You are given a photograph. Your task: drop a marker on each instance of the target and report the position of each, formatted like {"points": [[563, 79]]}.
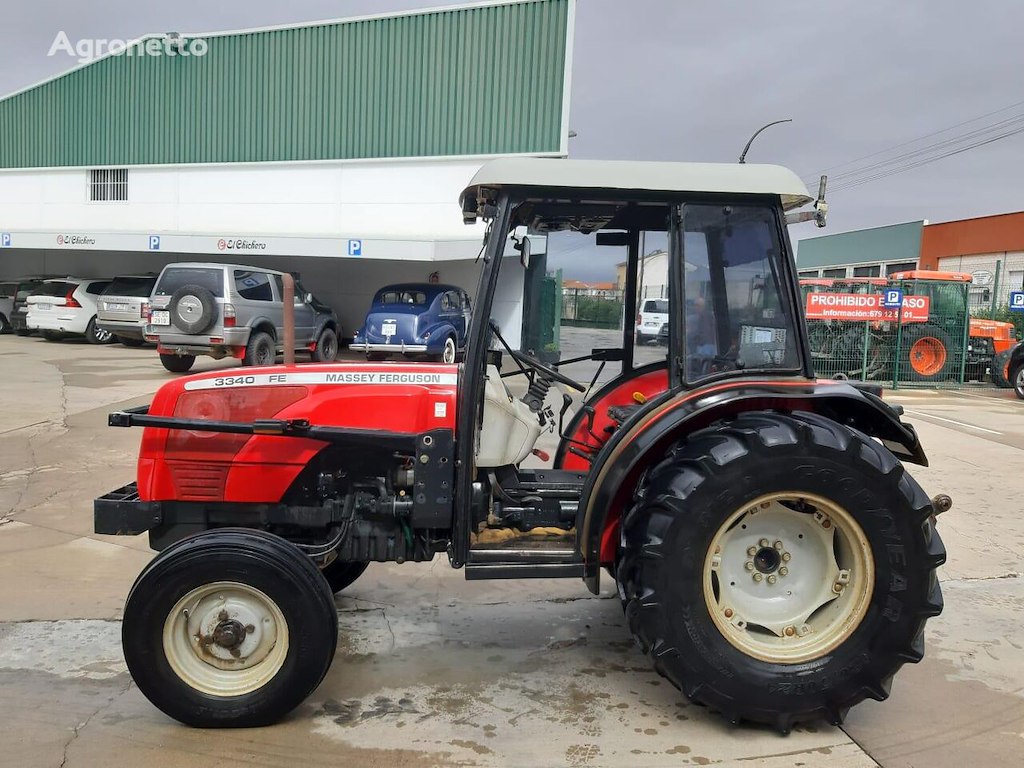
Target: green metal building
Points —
{"points": [[873, 252], [335, 148]]}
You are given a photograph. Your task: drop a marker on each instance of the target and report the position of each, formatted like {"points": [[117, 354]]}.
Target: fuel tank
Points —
{"points": [[192, 465]]}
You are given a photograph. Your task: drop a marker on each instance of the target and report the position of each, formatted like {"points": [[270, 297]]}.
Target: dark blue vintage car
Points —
{"points": [[417, 319]]}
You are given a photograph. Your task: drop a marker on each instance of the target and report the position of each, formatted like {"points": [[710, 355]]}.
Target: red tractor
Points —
{"points": [[773, 556]]}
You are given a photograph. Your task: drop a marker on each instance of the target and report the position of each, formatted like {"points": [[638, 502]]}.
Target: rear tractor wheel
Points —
{"points": [[1000, 371], [230, 628], [780, 568], [927, 354]]}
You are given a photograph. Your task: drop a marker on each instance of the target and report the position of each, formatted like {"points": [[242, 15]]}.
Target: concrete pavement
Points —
{"points": [[432, 670]]}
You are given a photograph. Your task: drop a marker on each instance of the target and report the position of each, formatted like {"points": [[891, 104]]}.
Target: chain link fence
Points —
{"points": [[895, 333], [592, 308]]}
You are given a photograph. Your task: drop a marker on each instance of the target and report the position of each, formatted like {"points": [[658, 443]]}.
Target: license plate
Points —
{"points": [[160, 317], [44, 306], [389, 329], [117, 307]]}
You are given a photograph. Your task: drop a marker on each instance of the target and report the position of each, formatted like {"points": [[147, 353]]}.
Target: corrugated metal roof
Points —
{"points": [[476, 80], [897, 242]]}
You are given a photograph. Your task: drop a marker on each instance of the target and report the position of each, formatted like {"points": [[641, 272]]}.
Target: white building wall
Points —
{"points": [[983, 267], [385, 199]]}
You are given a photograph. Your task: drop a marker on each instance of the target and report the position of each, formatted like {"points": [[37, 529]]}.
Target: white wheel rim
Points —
{"points": [[449, 351], [788, 577], [225, 639]]}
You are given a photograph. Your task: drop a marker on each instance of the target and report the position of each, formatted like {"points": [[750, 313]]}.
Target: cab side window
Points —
{"points": [[253, 286]]}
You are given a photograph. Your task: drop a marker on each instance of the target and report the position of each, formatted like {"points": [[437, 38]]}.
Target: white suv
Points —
{"points": [[653, 315], [67, 307]]}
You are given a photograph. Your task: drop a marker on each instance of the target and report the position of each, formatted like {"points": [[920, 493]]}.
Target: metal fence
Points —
{"points": [[862, 330], [590, 308]]}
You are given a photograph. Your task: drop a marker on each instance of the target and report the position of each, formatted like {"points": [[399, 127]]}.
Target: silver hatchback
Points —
{"points": [[232, 310]]}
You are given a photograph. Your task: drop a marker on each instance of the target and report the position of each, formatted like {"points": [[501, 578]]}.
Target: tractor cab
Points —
{"points": [[708, 240]]}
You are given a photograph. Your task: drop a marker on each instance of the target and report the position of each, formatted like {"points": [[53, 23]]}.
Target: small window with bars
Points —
{"points": [[108, 184]]}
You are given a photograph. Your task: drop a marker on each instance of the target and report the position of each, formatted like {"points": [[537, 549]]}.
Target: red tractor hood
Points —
{"points": [[190, 465]]}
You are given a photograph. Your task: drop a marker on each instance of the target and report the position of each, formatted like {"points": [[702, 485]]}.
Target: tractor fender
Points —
{"points": [[644, 439]]}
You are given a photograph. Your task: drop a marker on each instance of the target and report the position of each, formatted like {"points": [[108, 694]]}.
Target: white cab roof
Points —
{"points": [[629, 175]]}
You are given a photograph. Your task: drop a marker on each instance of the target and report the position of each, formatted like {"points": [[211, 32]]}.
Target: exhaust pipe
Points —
{"points": [[289, 319]]}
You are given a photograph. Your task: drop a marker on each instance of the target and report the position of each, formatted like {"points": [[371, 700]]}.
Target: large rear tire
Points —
{"points": [[230, 628], [927, 354], [1001, 369], [780, 568]]}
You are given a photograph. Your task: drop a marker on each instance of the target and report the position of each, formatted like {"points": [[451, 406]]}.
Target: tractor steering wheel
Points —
{"points": [[531, 362]]}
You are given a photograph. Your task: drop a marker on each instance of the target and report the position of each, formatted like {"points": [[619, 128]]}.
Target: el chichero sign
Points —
{"points": [[860, 306]]}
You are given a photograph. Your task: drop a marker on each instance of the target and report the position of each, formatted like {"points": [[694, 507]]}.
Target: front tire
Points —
{"points": [[230, 628], [801, 645], [177, 363]]}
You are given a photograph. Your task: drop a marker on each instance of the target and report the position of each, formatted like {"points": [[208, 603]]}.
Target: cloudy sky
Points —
{"points": [[692, 79]]}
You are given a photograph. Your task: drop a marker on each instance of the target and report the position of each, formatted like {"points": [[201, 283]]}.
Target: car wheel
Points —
{"points": [[177, 363], [259, 350], [1017, 379], [450, 351], [53, 335], [96, 335], [326, 350], [130, 342], [213, 640], [5, 325], [757, 568]]}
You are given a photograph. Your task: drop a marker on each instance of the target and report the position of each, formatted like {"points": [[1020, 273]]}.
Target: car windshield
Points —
{"points": [[130, 286], [207, 277], [401, 296]]}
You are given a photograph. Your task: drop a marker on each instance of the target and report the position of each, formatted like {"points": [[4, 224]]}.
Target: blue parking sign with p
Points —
{"points": [[893, 299], [154, 242], [1017, 301], [355, 247], [5, 239]]}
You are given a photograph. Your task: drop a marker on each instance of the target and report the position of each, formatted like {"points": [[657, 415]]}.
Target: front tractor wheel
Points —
{"points": [[231, 628], [780, 568]]}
